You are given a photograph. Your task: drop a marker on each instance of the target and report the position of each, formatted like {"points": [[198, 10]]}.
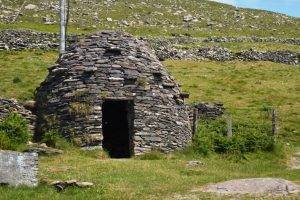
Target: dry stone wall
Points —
{"points": [[18, 168], [204, 111], [7, 106], [164, 47], [113, 66], [209, 110], [223, 54]]}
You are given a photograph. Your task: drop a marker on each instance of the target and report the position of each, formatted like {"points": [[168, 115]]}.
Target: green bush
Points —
{"points": [[52, 138], [5, 142], [14, 132], [247, 137]]}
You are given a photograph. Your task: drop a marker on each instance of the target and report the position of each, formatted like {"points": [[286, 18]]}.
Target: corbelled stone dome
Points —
{"points": [[110, 90]]}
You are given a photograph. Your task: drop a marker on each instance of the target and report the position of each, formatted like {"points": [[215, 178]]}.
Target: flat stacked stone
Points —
{"points": [[10, 105], [207, 111], [113, 65]]}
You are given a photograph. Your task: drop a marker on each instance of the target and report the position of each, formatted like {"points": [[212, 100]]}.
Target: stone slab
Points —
{"points": [[18, 168]]}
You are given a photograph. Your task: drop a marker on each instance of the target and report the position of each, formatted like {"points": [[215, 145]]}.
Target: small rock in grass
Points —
{"points": [[84, 184], [30, 7], [194, 163]]}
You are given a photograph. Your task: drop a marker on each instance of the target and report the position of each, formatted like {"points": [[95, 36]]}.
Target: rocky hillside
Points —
{"points": [[198, 18]]}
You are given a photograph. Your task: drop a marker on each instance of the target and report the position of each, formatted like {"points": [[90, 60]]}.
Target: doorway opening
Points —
{"points": [[117, 127]]}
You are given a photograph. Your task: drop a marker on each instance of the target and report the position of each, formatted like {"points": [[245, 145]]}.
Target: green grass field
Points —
{"points": [[245, 88], [245, 46], [22, 71]]}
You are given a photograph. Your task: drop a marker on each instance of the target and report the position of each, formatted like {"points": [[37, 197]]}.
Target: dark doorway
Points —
{"points": [[117, 126]]}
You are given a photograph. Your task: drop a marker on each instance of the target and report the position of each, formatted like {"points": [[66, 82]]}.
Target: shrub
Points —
{"points": [[14, 132], [248, 137], [17, 80], [5, 142], [52, 138]]}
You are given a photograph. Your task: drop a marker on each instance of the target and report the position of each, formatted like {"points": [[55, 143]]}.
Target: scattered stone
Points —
{"points": [[188, 18], [62, 185], [18, 168], [30, 7], [254, 186], [48, 21], [29, 105], [8, 106], [124, 22], [109, 19], [84, 184], [43, 149], [194, 163]]}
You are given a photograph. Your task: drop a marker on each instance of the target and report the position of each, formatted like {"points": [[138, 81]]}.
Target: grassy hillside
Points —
{"points": [[245, 88], [152, 17], [21, 72]]}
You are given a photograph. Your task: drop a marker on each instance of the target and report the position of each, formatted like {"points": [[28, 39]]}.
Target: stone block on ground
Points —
{"points": [[18, 168]]}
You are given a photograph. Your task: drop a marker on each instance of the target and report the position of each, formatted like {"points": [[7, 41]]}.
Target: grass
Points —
{"points": [[157, 18], [22, 71], [246, 88], [245, 46], [144, 179]]}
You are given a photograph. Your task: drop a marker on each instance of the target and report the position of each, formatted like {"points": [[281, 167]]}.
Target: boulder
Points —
{"points": [[18, 168]]}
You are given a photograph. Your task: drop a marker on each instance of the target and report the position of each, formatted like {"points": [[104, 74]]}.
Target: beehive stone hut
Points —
{"points": [[110, 90]]}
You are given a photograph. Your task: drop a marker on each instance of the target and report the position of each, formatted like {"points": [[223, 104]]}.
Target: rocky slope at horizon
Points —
{"points": [[197, 18]]}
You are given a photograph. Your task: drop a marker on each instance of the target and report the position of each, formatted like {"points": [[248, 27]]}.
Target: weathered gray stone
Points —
{"points": [[124, 68], [254, 186], [43, 149], [194, 163], [11, 105], [18, 168], [30, 7], [164, 47], [61, 185]]}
